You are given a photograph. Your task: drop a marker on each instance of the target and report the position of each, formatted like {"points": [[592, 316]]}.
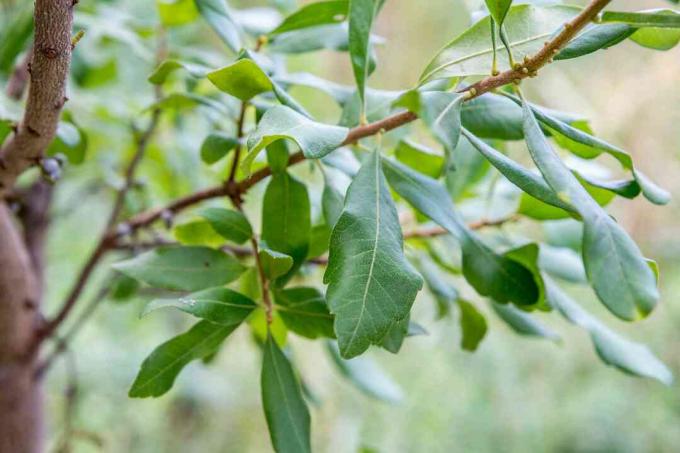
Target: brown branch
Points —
{"points": [[48, 72], [239, 135], [478, 225], [16, 85], [544, 56]]}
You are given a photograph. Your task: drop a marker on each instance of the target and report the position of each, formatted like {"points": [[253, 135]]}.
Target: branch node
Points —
{"points": [[50, 52]]}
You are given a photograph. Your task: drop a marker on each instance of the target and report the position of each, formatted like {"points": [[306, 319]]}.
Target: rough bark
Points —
{"points": [[20, 394], [48, 72]]}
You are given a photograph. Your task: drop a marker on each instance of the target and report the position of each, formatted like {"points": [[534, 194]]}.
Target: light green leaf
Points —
{"points": [[469, 54], [366, 376], [420, 158], [444, 293], [284, 407], [313, 14], [304, 311], [217, 15], [216, 146], [182, 268], [614, 264], [371, 284], [167, 67], [523, 323], [230, 224], [280, 122], [498, 9], [613, 349], [362, 13], [197, 232], [656, 37], [469, 168], [526, 180], [655, 18], [286, 222], [160, 369], [176, 12], [493, 275], [472, 324], [244, 80], [218, 305], [440, 111], [274, 264]]}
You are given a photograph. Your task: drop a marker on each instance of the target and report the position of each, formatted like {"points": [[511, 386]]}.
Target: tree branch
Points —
{"points": [[48, 72]]}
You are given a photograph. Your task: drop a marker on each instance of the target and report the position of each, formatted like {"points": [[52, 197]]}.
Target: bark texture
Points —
{"points": [[21, 257]]}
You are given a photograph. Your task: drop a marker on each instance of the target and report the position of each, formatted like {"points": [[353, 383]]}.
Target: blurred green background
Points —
{"points": [[513, 395]]}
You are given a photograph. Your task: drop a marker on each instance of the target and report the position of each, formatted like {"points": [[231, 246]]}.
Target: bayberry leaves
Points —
{"points": [[371, 285]]}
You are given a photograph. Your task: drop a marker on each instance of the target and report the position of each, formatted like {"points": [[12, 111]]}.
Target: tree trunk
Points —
{"points": [[20, 393]]}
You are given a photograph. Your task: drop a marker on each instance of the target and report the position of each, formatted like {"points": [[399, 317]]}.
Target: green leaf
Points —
{"points": [[176, 12], [245, 79], [472, 324], [286, 221], [469, 54], [614, 264], [420, 158], [280, 122], [362, 13], [197, 232], [167, 67], [468, 169], [313, 14], [371, 284], [180, 101], [123, 288], [304, 311], [332, 198], [650, 190], [230, 224], [444, 293], [284, 407], [330, 36], [218, 305], [613, 349], [217, 15], [523, 323], [493, 275], [654, 18], [182, 268], [657, 37], [274, 264], [160, 369], [216, 146], [498, 9], [394, 338], [526, 180], [440, 111], [595, 38], [15, 34], [366, 376]]}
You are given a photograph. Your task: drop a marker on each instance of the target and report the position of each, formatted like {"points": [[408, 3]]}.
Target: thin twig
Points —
{"points": [[239, 135]]}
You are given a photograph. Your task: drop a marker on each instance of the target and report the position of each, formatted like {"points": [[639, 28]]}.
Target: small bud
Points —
{"points": [[495, 72], [525, 70], [526, 59], [473, 91], [123, 229], [51, 169], [76, 39], [168, 218], [517, 66]]}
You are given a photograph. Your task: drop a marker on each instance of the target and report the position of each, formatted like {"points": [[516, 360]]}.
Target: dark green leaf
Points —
{"points": [[182, 268], [216, 146], [614, 264], [362, 13], [304, 311], [284, 407], [313, 14], [498, 9], [274, 264], [490, 274], [472, 324], [371, 284], [595, 38], [420, 158], [654, 18], [230, 224], [160, 369], [286, 222], [395, 337]]}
